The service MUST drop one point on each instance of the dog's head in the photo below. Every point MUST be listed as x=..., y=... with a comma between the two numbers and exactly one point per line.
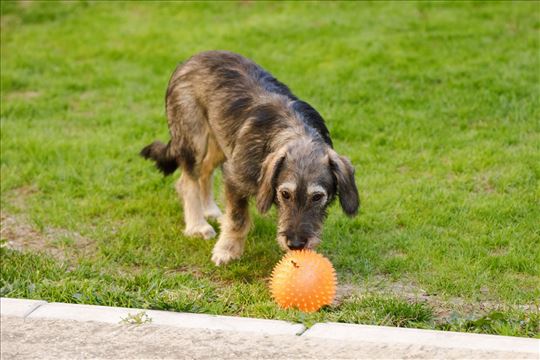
x=302, y=179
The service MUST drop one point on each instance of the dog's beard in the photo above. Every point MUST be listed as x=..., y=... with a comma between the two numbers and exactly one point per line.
x=313, y=242
x=282, y=241
x=314, y=231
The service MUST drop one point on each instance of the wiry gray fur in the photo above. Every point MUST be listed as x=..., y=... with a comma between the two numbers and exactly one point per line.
x=224, y=109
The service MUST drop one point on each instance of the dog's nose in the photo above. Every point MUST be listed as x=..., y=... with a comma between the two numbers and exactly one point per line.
x=296, y=244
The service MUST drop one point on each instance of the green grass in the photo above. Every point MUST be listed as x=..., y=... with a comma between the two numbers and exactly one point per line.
x=437, y=105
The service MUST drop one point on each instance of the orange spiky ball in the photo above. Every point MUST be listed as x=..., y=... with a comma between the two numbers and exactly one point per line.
x=304, y=280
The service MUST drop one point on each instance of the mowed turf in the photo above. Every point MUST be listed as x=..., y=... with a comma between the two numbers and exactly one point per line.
x=436, y=104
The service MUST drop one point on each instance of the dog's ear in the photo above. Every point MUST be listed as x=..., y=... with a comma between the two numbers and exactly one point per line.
x=343, y=172
x=267, y=180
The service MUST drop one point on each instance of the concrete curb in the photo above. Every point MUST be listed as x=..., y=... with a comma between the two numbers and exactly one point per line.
x=443, y=339
x=19, y=307
x=35, y=309
x=116, y=315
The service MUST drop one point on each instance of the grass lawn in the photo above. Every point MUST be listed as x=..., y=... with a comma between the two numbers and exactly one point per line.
x=436, y=104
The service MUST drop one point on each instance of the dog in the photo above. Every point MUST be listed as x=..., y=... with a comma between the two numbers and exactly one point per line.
x=225, y=110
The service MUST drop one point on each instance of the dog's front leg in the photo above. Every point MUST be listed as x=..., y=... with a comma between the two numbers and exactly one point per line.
x=234, y=228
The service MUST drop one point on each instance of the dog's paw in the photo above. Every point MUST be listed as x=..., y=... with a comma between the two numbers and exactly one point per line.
x=223, y=257
x=213, y=212
x=206, y=231
x=226, y=251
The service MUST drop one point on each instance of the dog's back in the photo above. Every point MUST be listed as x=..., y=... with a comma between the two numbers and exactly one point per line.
x=211, y=96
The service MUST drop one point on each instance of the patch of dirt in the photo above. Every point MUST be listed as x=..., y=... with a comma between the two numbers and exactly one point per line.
x=396, y=254
x=61, y=244
x=345, y=291
x=23, y=95
x=9, y=20
x=483, y=184
x=79, y=103
x=18, y=197
x=187, y=269
x=443, y=309
x=64, y=245
x=26, y=3
x=499, y=251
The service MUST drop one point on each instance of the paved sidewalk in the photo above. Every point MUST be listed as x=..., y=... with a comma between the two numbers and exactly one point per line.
x=68, y=339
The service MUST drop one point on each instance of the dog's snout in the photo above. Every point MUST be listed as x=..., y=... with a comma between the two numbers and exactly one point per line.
x=295, y=246
x=295, y=243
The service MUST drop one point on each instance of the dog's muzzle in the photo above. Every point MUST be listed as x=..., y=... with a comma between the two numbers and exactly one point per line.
x=295, y=242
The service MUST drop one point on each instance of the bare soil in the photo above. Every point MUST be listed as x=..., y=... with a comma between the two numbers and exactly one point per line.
x=20, y=236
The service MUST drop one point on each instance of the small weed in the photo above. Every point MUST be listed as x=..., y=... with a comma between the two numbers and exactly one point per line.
x=137, y=319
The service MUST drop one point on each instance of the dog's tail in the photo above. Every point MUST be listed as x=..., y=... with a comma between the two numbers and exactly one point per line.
x=161, y=154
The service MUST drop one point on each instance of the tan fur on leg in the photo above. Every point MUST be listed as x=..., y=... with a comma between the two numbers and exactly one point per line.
x=210, y=208
x=214, y=157
x=196, y=225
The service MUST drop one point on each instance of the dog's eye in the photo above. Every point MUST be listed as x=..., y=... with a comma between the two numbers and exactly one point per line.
x=285, y=194
x=317, y=197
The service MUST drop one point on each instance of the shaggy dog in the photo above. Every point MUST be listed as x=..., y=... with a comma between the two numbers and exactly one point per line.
x=224, y=109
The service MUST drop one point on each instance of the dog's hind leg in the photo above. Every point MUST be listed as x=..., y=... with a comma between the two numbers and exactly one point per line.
x=213, y=158
x=196, y=225
x=189, y=143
